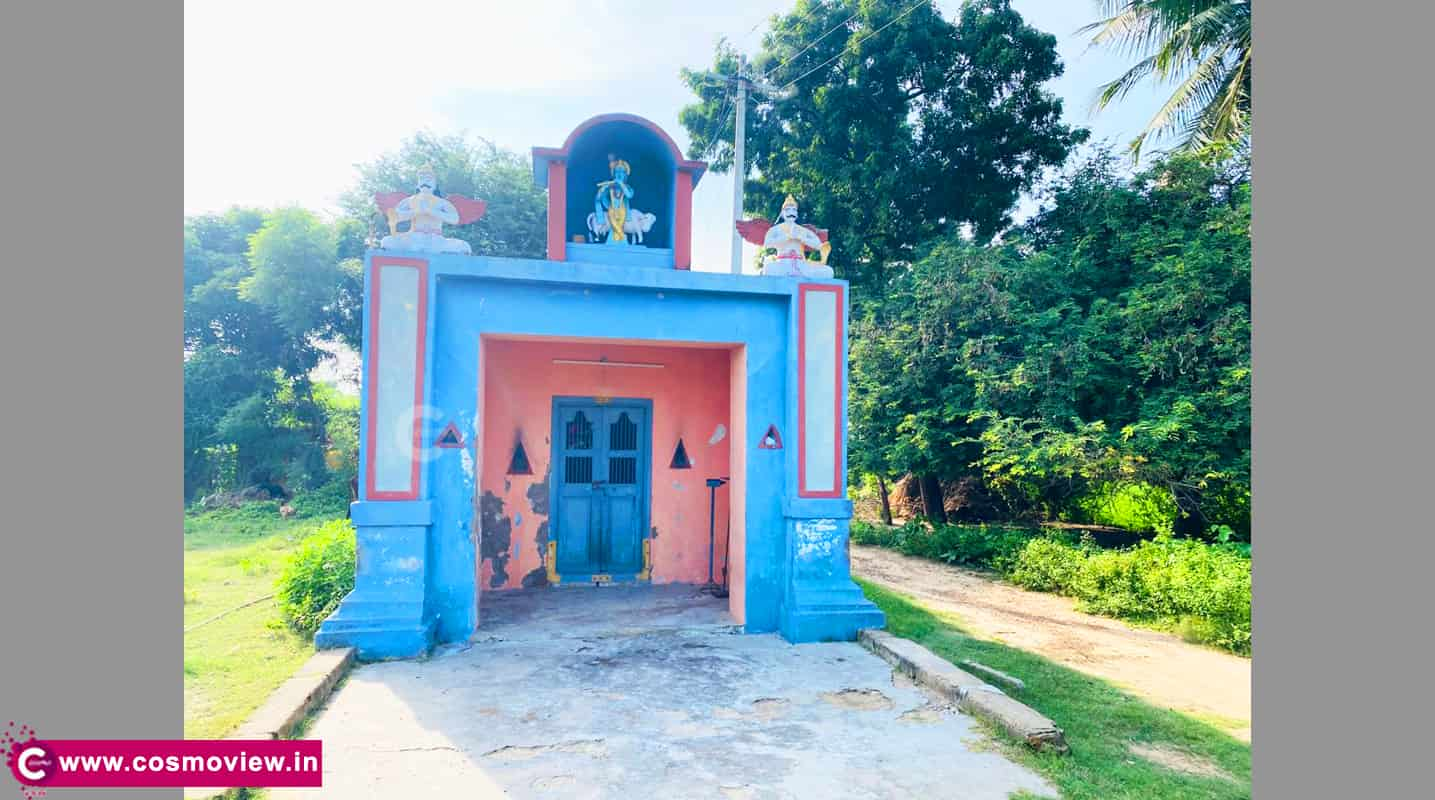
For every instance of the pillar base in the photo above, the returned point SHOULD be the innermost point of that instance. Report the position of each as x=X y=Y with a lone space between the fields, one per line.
x=821 y=603
x=828 y=612
x=378 y=630
x=384 y=616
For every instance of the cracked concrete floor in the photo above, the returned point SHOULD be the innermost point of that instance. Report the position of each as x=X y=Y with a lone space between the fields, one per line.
x=697 y=711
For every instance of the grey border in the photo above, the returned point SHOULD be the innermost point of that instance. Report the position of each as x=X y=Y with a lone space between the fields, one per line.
x=91 y=568
x=90 y=571
x=1342 y=405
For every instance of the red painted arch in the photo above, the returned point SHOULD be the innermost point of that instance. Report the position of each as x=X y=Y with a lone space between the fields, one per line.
x=683 y=164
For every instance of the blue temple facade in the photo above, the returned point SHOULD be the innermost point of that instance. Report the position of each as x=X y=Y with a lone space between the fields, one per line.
x=603 y=415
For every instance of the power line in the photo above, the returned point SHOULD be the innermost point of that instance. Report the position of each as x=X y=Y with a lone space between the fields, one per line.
x=805 y=15
x=864 y=38
x=714 y=131
x=767 y=76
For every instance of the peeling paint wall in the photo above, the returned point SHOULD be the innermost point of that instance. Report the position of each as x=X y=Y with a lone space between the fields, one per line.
x=691 y=398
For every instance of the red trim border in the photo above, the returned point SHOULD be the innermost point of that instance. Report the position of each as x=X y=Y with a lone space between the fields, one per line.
x=838 y=490
x=371 y=376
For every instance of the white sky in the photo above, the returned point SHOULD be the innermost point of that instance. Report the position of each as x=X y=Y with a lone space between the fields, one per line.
x=282 y=99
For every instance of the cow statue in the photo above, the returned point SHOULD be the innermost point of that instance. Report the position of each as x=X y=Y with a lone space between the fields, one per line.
x=635 y=224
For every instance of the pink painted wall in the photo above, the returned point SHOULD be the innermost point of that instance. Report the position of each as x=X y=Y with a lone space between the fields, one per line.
x=690 y=397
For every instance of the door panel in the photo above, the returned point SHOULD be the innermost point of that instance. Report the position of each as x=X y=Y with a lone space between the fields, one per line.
x=625 y=489
x=576 y=517
x=575 y=523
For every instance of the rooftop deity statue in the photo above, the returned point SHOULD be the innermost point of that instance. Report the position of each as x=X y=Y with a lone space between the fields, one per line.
x=789 y=242
x=612 y=208
x=427 y=211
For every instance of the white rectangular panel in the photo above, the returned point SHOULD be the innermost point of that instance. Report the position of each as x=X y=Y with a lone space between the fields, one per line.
x=396 y=375
x=819 y=384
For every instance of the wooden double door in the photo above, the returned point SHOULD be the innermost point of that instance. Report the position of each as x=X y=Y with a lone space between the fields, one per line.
x=602 y=454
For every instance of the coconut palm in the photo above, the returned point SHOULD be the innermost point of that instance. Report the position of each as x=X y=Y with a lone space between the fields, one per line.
x=1203 y=46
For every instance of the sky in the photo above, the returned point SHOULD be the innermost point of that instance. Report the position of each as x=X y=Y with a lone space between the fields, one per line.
x=282 y=99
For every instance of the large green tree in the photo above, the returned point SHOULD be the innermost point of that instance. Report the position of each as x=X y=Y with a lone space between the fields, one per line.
x=900 y=124
x=261 y=291
x=515 y=223
x=1105 y=342
x=1202 y=48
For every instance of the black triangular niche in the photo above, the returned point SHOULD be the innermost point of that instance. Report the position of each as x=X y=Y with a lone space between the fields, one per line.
x=449 y=437
x=680 y=457
x=518 y=465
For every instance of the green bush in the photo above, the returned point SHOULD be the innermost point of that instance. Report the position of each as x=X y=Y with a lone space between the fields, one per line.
x=327 y=501
x=1047 y=565
x=1201 y=591
x=980 y=546
x=317 y=576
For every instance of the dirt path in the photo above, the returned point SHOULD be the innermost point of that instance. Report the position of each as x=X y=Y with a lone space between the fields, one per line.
x=1157 y=666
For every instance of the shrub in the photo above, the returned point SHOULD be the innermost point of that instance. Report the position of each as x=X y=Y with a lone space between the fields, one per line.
x=1047 y=565
x=1201 y=591
x=318 y=574
x=980 y=546
x=329 y=500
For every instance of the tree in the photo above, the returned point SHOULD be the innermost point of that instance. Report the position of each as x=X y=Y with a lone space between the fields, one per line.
x=261 y=289
x=297 y=273
x=912 y=397
x=901 y=125
x=1104 y=343
x=515 y=224
x=1203 y=47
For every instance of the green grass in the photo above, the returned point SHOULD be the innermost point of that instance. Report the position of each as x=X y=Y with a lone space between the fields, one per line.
x=232 y=556
x=1100 y=720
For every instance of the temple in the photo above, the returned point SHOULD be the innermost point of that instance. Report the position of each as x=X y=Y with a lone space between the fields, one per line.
x=605 y=415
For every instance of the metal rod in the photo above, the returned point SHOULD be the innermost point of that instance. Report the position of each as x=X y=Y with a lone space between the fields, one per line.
x=594 y=363
x=712 y=533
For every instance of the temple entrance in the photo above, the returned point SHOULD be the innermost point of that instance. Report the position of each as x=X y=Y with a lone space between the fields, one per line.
x=602 y=449
x=594 y=468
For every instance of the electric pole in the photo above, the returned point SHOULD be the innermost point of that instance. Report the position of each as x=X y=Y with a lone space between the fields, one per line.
x=742 y=83
x=739 y=166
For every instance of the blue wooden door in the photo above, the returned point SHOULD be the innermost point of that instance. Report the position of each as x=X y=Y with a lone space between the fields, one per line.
x=601 y=457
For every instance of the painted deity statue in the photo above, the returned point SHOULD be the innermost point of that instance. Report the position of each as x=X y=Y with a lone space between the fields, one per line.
x=427 y=212
x=613 y=213
x=789 y=242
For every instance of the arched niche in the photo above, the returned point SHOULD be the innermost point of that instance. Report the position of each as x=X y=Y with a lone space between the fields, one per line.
x=653 y=177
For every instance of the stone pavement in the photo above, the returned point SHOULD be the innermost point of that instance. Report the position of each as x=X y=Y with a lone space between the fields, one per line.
x=645 y=692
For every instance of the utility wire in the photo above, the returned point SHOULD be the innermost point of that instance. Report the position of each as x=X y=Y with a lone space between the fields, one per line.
x=808 y=13
x=864 y=38
x=713 y=131
x=722 y=121
x=767 y=76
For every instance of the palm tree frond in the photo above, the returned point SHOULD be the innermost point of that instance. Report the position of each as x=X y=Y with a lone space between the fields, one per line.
x=1202 y=46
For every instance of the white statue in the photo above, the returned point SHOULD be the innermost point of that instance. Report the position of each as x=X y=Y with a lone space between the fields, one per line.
x=427 y=212
x=789 y=241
